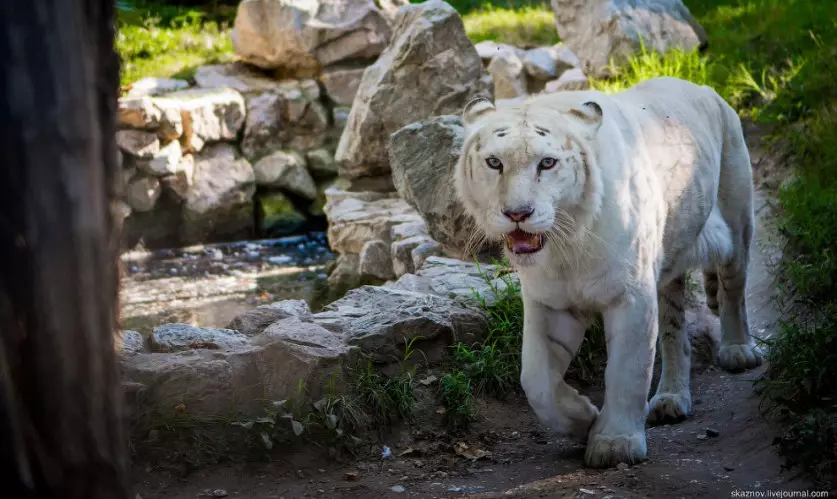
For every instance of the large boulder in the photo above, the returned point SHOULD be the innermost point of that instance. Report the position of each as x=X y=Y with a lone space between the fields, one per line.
x=289 y=115
x=423 y=156
x=352 y=220
x=302 y=36
x=178 y=337
x=599 y=31
x=287 y=171
x=341 y=84
x=208 y=115
x=220 y=201
x=429 y=68
x=255 y=321
x=510 y=78
x=241 y=380
x=382 y=320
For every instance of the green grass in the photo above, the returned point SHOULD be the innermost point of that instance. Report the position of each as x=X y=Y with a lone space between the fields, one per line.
x=166 y=41
x=525 y=27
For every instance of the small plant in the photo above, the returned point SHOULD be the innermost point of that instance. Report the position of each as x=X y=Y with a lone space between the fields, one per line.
x=456 y=399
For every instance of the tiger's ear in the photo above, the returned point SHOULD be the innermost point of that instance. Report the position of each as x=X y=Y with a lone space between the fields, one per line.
x=475 y=109
x=590 y=113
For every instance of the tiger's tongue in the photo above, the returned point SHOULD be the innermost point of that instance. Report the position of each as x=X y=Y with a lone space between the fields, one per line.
x=523 y=242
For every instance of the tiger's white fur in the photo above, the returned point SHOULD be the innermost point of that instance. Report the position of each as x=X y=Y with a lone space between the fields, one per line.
x=648 y=183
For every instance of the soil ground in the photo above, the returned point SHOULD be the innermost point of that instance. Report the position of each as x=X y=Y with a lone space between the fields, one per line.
x=508 y=454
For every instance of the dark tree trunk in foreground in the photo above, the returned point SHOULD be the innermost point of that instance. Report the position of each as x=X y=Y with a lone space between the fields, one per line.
x=61 y=428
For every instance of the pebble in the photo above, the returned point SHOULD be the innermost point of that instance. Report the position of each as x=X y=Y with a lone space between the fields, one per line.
x=622 y=466
x=398 y=489
x=219 y=493
x=350 y=476
x=701 y=437
x=712 y=432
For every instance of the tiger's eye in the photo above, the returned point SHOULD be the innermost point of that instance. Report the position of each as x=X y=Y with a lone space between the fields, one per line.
x=494 y=163
x=546 y=163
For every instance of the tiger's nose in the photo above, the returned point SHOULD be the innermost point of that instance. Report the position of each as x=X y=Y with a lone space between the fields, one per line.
x=519 y=214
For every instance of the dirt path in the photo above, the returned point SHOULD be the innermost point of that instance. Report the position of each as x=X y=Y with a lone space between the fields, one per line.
x=685 y=460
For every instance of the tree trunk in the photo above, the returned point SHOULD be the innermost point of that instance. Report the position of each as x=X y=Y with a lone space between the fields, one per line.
x=62 y=433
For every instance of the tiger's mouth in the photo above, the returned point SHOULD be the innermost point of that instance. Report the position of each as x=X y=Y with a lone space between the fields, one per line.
x=520 y=242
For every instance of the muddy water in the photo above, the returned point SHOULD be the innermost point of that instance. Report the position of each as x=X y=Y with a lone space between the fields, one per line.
x=208 y=285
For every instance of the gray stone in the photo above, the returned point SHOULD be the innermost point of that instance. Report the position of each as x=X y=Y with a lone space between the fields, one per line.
x=156 y=86
x=424 y=178
x=300 y=37
x=466 y=282
x=381 y=320
x=220 y=202
x=429 y=45
x=321 y=163
x=488 y=49
x=180 y=182
x=138 y=112
x=402 y=254
x=257 y=320
x=570 y=80
x=376 y=260
x=424 y=251
x=345 y=275
x=137 y=143
x=287 y=171
x=240 y=77
x=131 y=343
x=507 y=71
x=341 y=84
x=601 y=31
x=165 y=162
x=548 y=63
x=289 y=115
x=353 y=221
x=142 y=193
x=208 y=115
x=177 y=337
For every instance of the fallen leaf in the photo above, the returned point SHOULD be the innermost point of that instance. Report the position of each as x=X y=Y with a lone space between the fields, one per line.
x=428 y=380
x=410 y=452
x=180 y=408
x=297 y=427
x=441 y=410
x=468 y=452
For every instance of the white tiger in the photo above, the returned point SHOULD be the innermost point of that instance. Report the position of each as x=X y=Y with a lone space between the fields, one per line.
x=604 y=202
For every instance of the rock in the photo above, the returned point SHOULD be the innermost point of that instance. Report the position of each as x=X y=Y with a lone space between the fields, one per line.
x=156 y=86
x=238 y=382
x=424 y=251
x=289 y=116
x=380 y=321
x=321 y=164
x=340 y=114
x=300 y=37
x=423 y=177
x=376 y=261
x=139 y=144
x=600 y=30
x=547 y=63
x=277 y=215
x=142 y=193
x=220 y=202
x=257 y=320
x=287 y=171
x=208 y=115
x=572 y=79
x=402 y=259
x=429 y=45
x=451 y=278
x=237 y=76
x=488 y=49
x=299 y=331
x=181 y=181
x=345 y=275
x=138 y=112
x=178 y=337
x=170 y=125
x=510 y=80
x=131 y=343
x=341 y=84
x=352 y=221
x=164 y=162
